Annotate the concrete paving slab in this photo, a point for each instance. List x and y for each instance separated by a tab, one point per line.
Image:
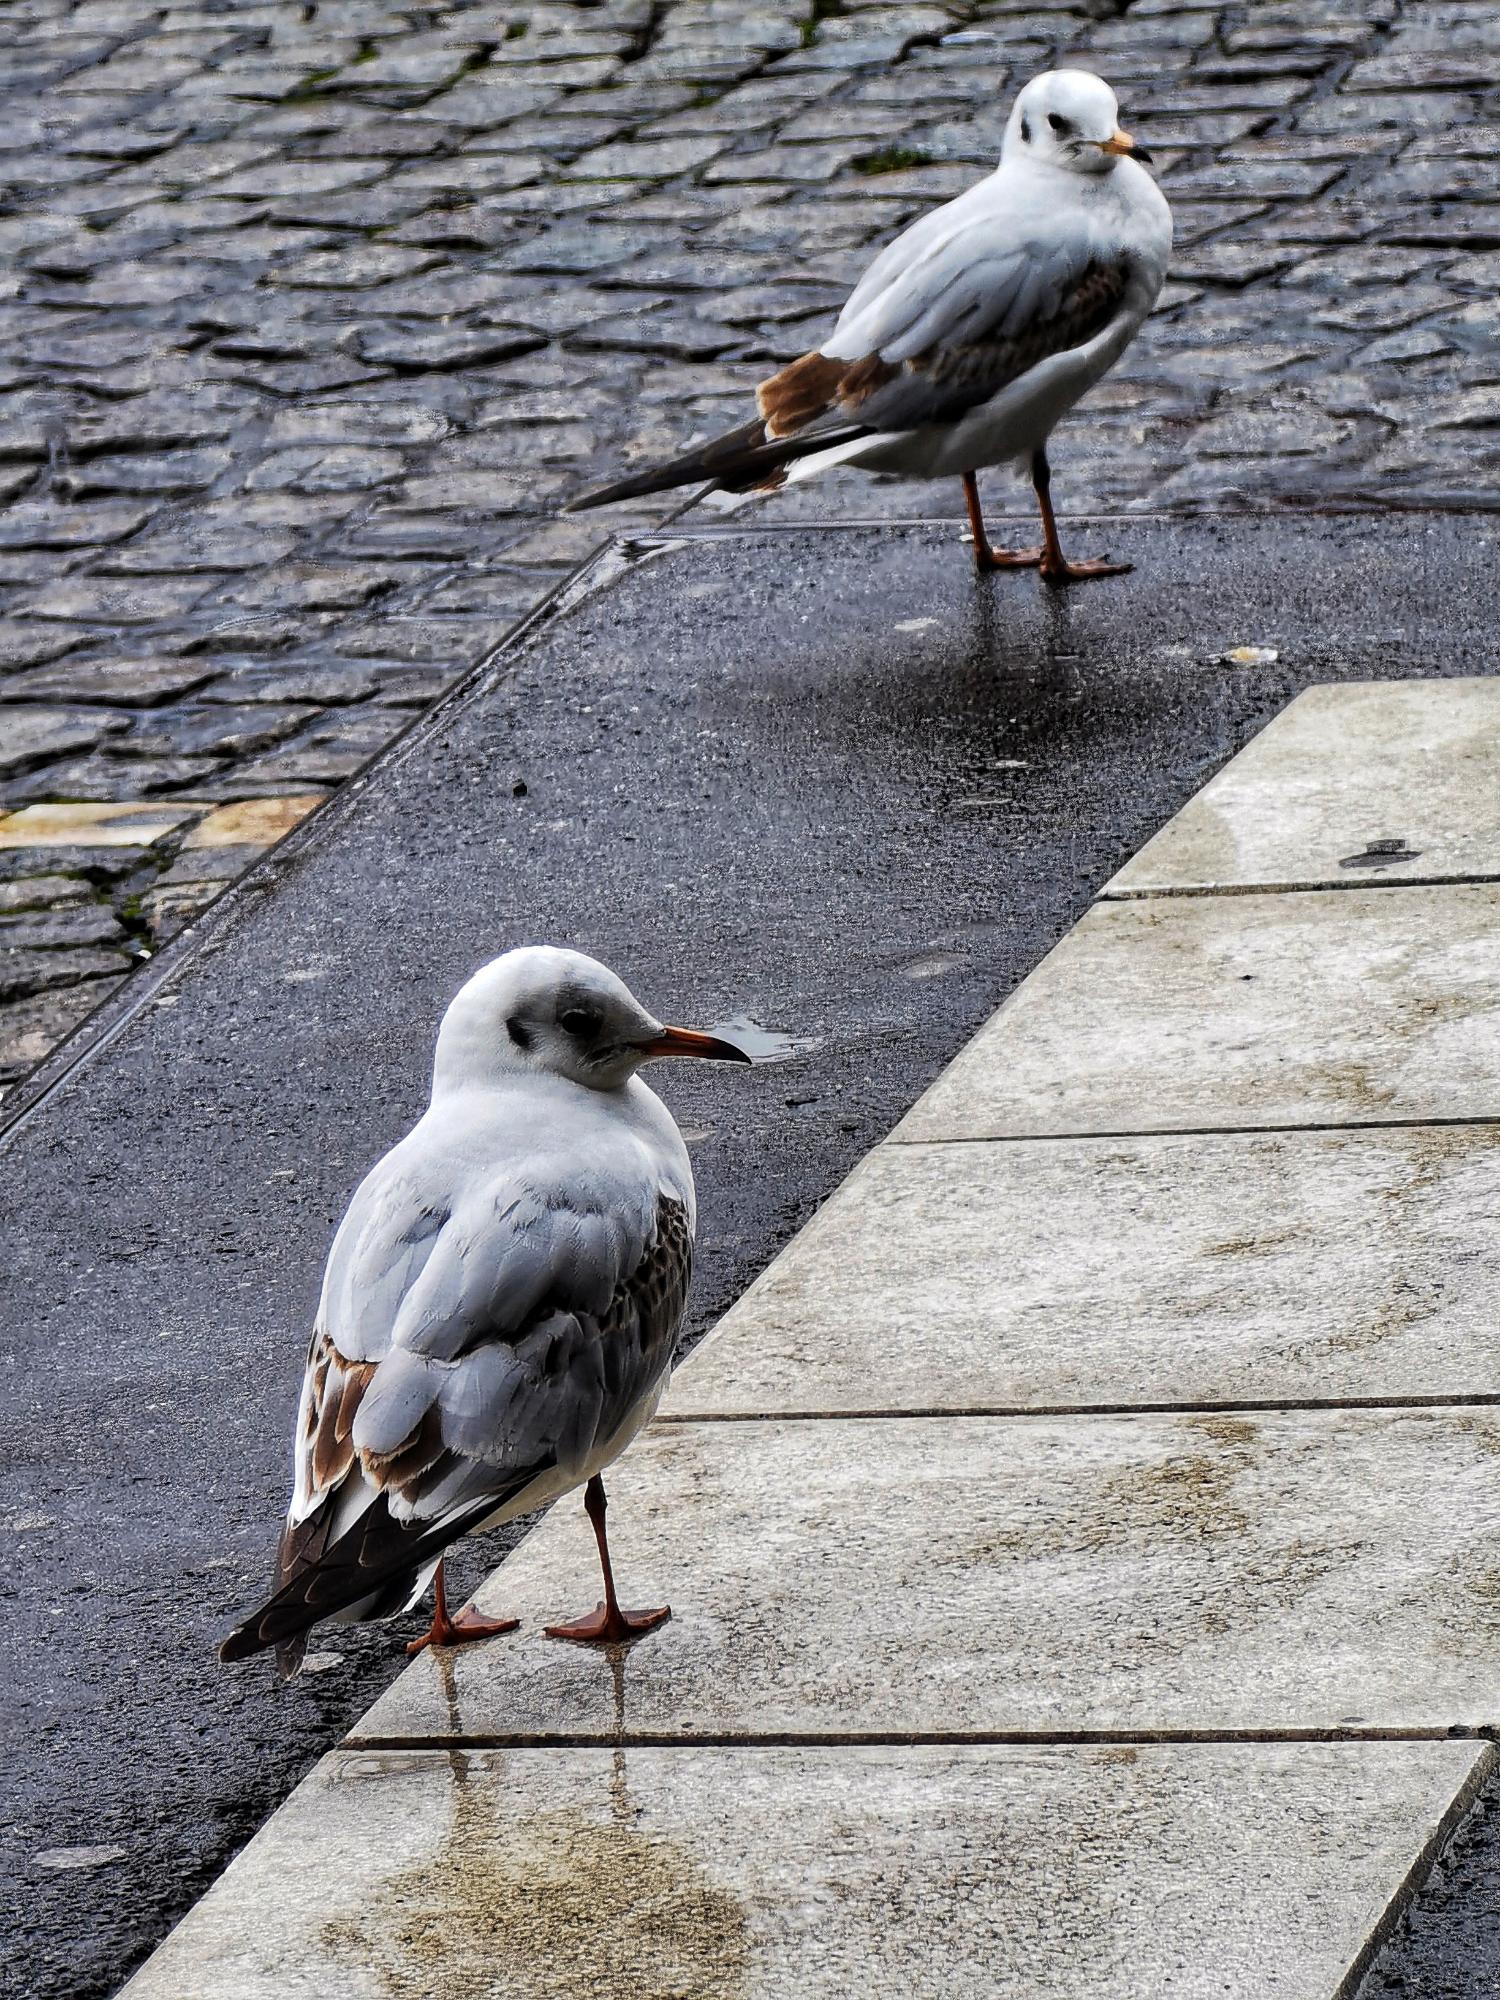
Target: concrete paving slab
792	1873
1216	1012
1102	1273
1383	781
1299	1571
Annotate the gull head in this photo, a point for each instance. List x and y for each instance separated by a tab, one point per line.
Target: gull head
542	1011
1069	118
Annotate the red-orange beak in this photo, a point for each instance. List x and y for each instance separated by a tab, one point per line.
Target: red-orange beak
690	1042
1121	142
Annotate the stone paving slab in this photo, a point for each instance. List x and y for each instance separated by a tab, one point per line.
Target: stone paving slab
1393	781
1196	1013
1111	1273
1288	1572
795	1873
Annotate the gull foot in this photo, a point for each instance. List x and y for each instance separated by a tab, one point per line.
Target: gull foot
460	1630
605	1625
1059	573
987	558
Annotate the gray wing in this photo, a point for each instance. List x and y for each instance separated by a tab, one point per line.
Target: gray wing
961	305
528	1325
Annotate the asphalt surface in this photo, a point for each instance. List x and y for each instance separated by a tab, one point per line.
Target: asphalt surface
823	779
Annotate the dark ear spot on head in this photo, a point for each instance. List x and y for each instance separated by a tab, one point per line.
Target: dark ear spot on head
1058	123
1025	131
520	1035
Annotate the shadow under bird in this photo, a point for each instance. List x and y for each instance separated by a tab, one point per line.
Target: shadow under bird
975	332
499	1307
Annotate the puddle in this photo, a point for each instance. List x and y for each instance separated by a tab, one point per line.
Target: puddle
540	1901
764	1045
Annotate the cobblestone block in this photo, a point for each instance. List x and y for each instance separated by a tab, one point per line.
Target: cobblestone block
33	736
59	928
42	524
156	473
417	350
102	777
25	973
114	681
23	644
312	586
58	829
43	892
248	824
457	641
169	906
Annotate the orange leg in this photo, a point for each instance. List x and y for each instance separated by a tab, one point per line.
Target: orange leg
1055	566
606	1621
987	557
446	1631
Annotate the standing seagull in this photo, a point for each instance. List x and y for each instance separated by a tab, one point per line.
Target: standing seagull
975	331
499	1306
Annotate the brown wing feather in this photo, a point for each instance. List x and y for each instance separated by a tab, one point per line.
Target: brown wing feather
810	387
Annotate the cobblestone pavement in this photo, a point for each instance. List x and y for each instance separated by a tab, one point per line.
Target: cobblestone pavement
315	309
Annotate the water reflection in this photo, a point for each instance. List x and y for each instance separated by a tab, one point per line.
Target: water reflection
764	1045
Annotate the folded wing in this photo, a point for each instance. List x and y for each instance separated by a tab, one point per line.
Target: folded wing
458	1359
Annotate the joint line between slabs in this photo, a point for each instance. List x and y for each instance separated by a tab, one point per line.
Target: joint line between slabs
915	1739
1271	1406
1165	893
897	1138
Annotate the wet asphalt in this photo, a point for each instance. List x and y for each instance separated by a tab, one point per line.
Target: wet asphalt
825	780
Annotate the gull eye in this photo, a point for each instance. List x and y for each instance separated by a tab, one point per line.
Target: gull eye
1059	125
582	1022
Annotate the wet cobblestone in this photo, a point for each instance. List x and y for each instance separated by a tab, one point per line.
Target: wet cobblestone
314	311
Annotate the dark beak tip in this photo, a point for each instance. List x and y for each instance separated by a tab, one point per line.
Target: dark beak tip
1140	153
695	1042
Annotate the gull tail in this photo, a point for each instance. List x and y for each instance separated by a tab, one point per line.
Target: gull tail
372	1571
739	461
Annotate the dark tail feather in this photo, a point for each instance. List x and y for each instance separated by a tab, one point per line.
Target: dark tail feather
737	461
373	1558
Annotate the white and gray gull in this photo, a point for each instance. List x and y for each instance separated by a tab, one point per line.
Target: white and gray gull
973	333
499	1306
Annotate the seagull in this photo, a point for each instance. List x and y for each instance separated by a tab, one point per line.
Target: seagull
498	1309
973	333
